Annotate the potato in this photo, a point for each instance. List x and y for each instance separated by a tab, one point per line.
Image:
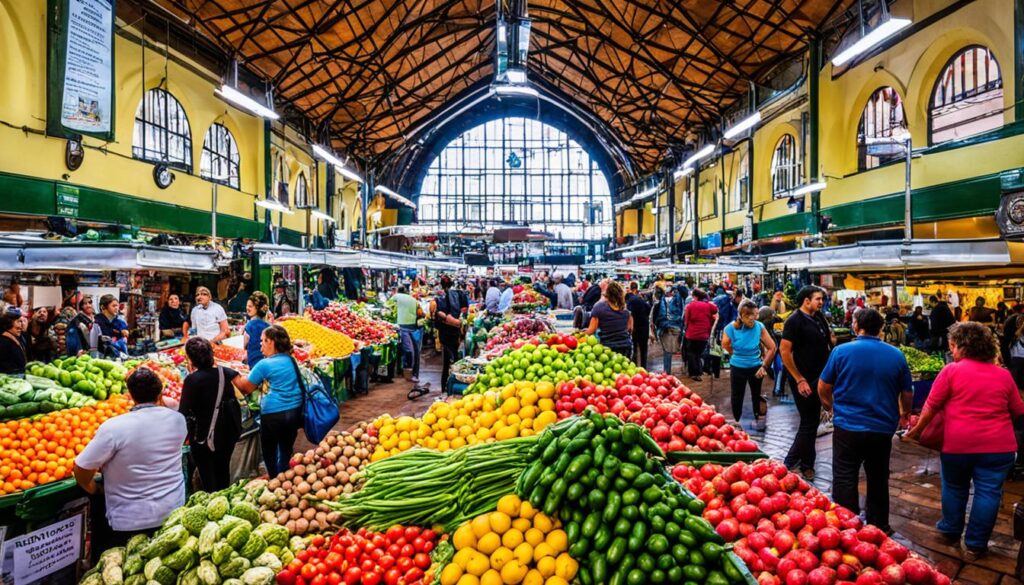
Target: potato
321	494
307	458
294	513
309	513
273	484
290	525
328	481
321	518
292	500
347	488
331	456
317	486
353	460
349	439
332	517
299	470
301	526
321	473
302	489
348	451
343	477
352	470
288	486
314	526
332	470
357	434
283	516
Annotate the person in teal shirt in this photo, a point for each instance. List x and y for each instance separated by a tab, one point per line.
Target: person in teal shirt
751	351
409	314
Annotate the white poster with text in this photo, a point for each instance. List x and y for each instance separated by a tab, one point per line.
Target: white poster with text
49	549
88	68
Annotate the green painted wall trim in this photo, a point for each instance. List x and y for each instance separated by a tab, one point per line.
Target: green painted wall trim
1018	59
968	198
34	196
794	223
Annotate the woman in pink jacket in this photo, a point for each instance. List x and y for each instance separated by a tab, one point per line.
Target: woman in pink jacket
979	401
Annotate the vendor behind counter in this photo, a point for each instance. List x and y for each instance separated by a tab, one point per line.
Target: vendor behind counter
172	319
13	356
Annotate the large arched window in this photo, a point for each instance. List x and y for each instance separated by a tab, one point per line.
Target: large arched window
301	191
517	171
786	169
740	188
281	180
883	121
219	160
162	133
968	96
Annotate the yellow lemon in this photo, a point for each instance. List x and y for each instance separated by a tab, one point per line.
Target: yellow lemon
450	574
508	391
532	536
488	543
524	553
464	537
546	405
526	510
527	412
566	567
543	550
487	419
429	418
513	572
512	538
528	397
500	522
558	540
479	564
500	557
513	419
450	433
542	522
553	580
468	579
491	577
510	405
463	557
522	524
545	389
543	419
481	525
444	446
546	566
533	577
483	433
507	433
510	505
458	442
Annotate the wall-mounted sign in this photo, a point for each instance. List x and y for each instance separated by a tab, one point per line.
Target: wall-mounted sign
67	201
80	68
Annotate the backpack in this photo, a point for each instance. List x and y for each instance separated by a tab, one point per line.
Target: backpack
319	410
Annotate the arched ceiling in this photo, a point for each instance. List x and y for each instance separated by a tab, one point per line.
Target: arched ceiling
656	72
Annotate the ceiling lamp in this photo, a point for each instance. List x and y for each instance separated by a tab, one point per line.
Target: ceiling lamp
516	76
321	215
682	173
742	126
524	90
880	33
395	196
328	157
809	188
245	102
702	153
273	205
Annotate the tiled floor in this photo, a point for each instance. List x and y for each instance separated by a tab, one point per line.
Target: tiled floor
914	484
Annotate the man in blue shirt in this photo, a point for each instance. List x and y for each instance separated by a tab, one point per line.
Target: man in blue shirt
505	301
867	384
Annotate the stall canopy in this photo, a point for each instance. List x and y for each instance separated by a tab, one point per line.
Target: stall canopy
900	255
277	255
27	253
752	267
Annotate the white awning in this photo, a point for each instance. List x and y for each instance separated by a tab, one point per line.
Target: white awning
46	256
896	255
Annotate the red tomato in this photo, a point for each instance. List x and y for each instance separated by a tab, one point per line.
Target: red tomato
404	564
317	541
377	554
429	534
394	533
319	580
352	553
345	540
295	566
422	560
372	578
333	559
322	568
428	546
367	566
334	578
386	561
302	555
414	575
308	571
286	577
353	576
392	577
408	551
368	546
379	541
411	533
395	550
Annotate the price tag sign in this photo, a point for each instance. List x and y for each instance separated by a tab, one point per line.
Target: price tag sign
47	550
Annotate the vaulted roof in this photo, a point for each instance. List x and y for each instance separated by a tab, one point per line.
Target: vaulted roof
656	72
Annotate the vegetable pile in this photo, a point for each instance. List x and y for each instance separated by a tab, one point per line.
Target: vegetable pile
362	329
626	521
34	395
519	410
326	472
554	363
326	342
92	377
514	544
520	328
169	375
400	555
921	362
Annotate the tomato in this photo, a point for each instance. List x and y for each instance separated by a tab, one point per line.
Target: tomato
333	560
395	550
345	541
411	533
386	561
302	555
379	541
408	551
373	578
334	578
317	541
401	541
376	554
322	568
414	575
353	576
368	546
422	560
352	553
286	577
319	580
394	533
308	571
428	534
392	577
404	564
295	566
367	565
428	546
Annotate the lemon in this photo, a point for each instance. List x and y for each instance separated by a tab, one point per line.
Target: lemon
553	580
546	566
500	522
487	419
500	557
444	446
545	389
527	412
513	419
450	574
468	579
512	538
557	540
488	543
513	572
463	557
429	418
566	567
543	419
478	564
491	577
506	433
464	537
510	405
546	405
510	505
450	433
522	524
528	397
542	522
533	577
524	553
526	510
543	550
481	525
458	442
532	536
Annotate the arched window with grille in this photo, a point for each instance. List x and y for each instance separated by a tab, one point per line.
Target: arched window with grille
281	180
883	121
301	191
162	133
219	160
968	96
786	171
741	188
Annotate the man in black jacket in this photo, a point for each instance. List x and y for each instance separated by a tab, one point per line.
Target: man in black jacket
941	318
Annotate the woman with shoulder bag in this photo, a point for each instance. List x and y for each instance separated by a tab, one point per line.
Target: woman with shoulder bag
281	410
744	340
979	402
214	417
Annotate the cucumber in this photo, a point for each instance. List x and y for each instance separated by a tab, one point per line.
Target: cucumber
578	466
611	509
616	550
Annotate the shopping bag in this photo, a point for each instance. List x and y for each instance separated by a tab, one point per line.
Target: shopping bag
319	410
932	435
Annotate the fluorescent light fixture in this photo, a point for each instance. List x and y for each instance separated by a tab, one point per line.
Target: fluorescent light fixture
516	90
699	155
516	76
742	126
328	157
395	196
682	173
321	215
645	194
502	33
809	188
876	36
273	205
245	102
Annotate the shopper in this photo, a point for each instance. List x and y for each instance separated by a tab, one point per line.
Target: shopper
752	350
492	299
445	315
409	314
591	296
41	346
505	302
806	344
172	321
699	318
979	313
12	296
110	324
919	329
564	295
209	405
940	320
979	401
238	303
209	318
778	303
667	324
1009	336
13	355
257	308
281	408
724	302
612	321
869	404
640	310
139	455
82	325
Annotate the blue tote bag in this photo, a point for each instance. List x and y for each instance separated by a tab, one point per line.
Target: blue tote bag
319	410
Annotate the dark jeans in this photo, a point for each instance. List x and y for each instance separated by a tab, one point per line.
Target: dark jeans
741	378
802	452
695	356
850	450
641	339
411	347
277	438
214	467
988	472
450	354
